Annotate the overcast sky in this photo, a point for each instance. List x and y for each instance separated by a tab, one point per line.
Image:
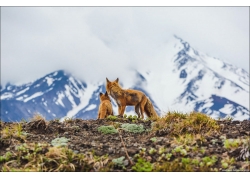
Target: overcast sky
98	42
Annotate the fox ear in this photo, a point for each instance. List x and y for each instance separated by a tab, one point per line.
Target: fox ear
100	94
107	80
117	80
106	93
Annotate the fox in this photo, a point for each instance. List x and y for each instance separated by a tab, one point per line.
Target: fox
105	107
130	97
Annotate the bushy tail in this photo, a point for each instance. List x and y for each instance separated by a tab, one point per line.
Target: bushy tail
149	109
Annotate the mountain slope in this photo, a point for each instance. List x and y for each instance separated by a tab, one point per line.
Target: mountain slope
185	80
53	96
194	81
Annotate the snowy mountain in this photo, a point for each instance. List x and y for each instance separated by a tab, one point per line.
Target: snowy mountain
185	80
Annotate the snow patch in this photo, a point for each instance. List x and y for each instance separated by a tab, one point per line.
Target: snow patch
227	109
91	107
49	80
22	91
59	100
19	98
6	95
45	103
84	95
33	96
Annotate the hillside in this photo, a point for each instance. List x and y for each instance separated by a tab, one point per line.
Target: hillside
175	142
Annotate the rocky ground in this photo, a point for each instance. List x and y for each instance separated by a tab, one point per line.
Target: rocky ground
226	149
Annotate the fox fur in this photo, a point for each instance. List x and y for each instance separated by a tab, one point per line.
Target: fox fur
130	97
105	107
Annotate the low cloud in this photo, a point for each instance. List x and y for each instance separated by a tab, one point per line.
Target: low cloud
97	42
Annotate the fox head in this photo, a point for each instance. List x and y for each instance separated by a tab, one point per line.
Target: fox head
110	84
104	96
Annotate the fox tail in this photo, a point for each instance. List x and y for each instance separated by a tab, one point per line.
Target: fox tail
149	109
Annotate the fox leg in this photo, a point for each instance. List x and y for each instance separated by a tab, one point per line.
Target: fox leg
102	113
122	110
99	112
142	105
137	110
119	109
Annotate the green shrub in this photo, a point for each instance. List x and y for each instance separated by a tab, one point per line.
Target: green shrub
57	142
133	128
142	166
232	143
119	162
110	117
5	157
153	139
107	130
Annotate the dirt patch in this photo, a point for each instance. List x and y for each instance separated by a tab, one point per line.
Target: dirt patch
157	148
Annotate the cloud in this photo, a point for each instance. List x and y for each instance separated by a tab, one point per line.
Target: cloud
97	42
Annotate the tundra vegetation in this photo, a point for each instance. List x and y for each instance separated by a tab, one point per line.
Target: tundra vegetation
177	141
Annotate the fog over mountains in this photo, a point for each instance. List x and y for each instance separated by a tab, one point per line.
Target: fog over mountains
185	80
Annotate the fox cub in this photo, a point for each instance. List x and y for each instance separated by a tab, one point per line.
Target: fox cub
105	107
130	97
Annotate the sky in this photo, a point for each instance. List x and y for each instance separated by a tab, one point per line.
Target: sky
93	43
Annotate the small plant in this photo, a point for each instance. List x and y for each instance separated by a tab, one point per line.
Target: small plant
153	139
57	120
58	142
37	117
161	150
228	118
14	131
209	161
23	120
152	150
119	162
107	129
110	117
168	156
68	120
203	150
135	117
225	163
232	143
134	128
179	150
125	116
142	166
5	157
181	124
195	162
77	128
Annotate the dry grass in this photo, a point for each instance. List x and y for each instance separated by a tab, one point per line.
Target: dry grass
176	123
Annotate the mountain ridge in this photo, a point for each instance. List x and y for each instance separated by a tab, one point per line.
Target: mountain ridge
188	81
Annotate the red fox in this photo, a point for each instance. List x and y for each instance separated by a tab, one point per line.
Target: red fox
105	107
130	97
